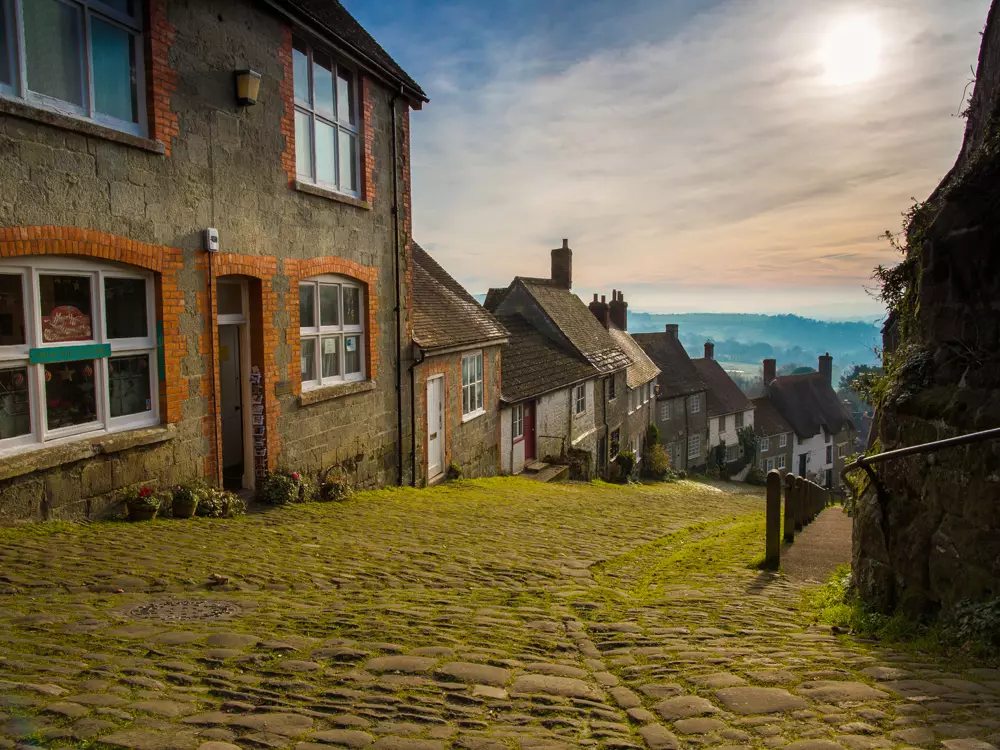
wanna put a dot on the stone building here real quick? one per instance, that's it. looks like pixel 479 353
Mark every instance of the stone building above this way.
pixel 682 412
pixel 930 538
pixel 775 437
pixel 134 348
pixel 561 374
pixel 640 376
pixel 456 378
pixel 822 424
pixel 729 410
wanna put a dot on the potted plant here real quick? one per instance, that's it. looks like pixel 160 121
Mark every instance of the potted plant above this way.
pixel 282 489
pixel 185 502
pixel 216 503
pixel 141 503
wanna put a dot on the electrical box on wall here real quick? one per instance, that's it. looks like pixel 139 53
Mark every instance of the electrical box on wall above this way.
pixel 212 240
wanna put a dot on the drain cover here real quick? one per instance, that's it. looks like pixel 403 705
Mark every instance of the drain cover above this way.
pixel 175 610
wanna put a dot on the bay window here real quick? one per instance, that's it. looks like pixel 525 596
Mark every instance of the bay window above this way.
pixel 77 57
pixel 326 120
pixel 77 350
pixel 331 331
pixel 472 385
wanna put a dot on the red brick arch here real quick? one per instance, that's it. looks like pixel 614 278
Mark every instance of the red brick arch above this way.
pixel 165 261
pixel 298 270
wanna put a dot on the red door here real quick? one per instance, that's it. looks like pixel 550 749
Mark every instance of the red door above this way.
pixel 529 431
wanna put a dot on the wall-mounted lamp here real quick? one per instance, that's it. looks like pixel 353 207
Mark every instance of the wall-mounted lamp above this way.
pixel 247 87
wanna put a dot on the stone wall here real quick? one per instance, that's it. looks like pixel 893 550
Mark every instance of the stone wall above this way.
pixel 932 539
pixel 210 163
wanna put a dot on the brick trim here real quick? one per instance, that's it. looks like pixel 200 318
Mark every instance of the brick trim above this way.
pixel 286 89
pixel 367 140
pixel 262 268
pixel 166 262
pixel 297 270
pixel 161 79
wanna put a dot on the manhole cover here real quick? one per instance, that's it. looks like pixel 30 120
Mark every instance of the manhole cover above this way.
pixel 173 610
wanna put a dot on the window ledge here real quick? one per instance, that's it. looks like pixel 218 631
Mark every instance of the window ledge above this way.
pixel 473 415
pixel 83 127
pixel 329 392
pixel 333 195
pixel 47 457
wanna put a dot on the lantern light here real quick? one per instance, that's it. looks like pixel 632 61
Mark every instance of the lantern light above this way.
pixel 247 87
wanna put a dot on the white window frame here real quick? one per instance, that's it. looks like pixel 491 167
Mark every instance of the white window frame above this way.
pixel 694 446
pixel 738 420
pixel 88 10
pixel 332 120
pixel 781 461
pixel 580 399
pixel 769 465
pixel 696 403
pixel 313 330
pixel 732 453
pixel 783 440
pixel 473 395
pixel 637 448
pixel 722 424
pixel 30 269
pixel 665 411
pixel 765 444
pixel 517 422
pixel 841 450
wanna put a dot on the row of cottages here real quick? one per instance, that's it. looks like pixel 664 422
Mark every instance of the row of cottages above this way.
pixel 573 383
pixel 729 412
pixel 808 429
pixel 205 259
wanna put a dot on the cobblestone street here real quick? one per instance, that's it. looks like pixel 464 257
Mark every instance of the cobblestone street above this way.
pixel 484 615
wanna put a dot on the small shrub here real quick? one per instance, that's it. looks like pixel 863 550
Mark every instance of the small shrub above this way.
pixel 454 471
pixel 280 489
pixel 335 489
pixel 756 477
pixel 976 626
pixel 217 503
pixel 656 462
pixel 626 462
pixel 652 435
pixel 713 472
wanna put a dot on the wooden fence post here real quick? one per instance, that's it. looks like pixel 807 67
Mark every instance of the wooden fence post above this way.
pixel 800 503
pixel 772 556
pixel 789 508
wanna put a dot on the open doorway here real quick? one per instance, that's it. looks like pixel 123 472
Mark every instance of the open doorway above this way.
pixel 234 385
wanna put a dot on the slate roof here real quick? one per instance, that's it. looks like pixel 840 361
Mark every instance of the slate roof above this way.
pixel 533 364
pixel 642 369
pixel 575 320
pixel 444 314
pixel 678 375
pixel 767 420
pixel 330 16
pixel 808 403
pixel 724 396
pixel 494 297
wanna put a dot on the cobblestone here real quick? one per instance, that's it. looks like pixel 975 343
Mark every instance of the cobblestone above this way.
pixel 490 615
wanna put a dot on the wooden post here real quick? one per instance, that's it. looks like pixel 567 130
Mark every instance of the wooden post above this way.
pixel 789 508
pixel 810 502
pixel 772 557
pixel 800 503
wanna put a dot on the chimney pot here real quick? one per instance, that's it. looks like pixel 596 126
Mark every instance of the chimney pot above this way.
pixel 565 243
pixel 600 310
pixel 562 266
pixel 619 310
pixel 595 296
pixel 709 350
pixel 826 367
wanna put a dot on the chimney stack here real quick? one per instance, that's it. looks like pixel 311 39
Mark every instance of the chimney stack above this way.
pixel 671 329
pixel 562 266
pixel 826 367
pixel 600 310
pixel 619 310
pixel 709 350
pixel 770 371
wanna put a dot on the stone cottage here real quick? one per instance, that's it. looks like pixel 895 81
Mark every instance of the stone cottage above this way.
pixel 560 372
pixel 204 249
pixel 729 411
pixel 681 412
pixel 456 376
pixel 775 437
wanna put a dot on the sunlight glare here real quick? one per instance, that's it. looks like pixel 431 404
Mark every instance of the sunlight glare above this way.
pixel 851 51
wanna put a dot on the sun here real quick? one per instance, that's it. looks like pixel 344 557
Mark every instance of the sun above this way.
pixel 852 51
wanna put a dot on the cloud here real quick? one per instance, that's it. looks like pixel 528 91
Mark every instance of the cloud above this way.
pixel 710 162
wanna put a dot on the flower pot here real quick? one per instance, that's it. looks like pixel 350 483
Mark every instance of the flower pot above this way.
pixel 142 512
pixel 184 507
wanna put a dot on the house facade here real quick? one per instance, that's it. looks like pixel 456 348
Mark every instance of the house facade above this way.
pixel 775 437
pixel 822 424
pixel 192 287
pixel 456 377
pixel 729 410
pixel 561 374
pixel 682 404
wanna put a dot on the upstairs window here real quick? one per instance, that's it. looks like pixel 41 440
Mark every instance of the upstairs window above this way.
pixel 616 442
pixel 722 423
pixel 472 385
pixel 829 454
pixel 77 350
pixel 331 331
pixel 783 440
pixel 612 394
pixel 765 444
pixel 326 120
pixel 665 411
pixel 77 57
pixel 695 404
pixel 739 420
pixel 580 399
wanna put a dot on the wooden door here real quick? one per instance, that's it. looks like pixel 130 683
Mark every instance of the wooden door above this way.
pixel 529 431
pixel 435 427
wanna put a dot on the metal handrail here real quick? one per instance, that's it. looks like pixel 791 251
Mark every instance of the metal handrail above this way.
pixel 865 462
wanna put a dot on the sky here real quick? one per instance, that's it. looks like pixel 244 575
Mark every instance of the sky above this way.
pixel 701 155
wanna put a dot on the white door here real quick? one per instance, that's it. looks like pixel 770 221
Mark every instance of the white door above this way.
pixel 231 399
pixel 435 427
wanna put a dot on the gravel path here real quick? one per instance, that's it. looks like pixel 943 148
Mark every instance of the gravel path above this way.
pixel 822 546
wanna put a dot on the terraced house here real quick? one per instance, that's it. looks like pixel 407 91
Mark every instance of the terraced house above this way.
pixel 204 248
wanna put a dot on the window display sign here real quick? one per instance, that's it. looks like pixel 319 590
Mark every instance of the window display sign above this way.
pixel 66 323
pixel 68 353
